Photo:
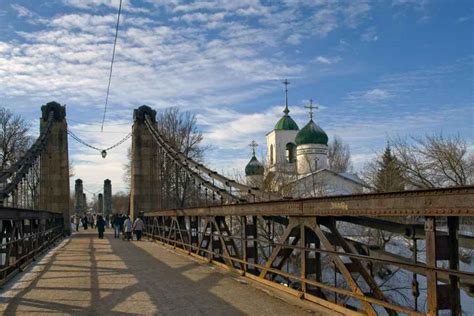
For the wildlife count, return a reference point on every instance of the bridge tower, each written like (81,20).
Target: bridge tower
(79,206)
(107,197)
(100,204)
(54,169)
(145,189)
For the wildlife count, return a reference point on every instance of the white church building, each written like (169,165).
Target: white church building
(300,157)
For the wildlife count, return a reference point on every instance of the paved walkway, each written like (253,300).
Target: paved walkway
(86,275)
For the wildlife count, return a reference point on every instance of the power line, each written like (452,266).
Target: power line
(111,65)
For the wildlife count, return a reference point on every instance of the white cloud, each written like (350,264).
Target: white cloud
(373,96)
(327,60)
(369,35)
(30,16)
(294,39)
(21,11)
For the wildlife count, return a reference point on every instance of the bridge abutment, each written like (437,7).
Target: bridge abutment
(145,190)
(54,169)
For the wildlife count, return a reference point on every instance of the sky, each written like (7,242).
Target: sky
(377,70)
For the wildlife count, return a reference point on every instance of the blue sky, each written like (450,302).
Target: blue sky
(377,69)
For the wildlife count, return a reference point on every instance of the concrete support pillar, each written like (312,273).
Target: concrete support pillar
(79,206)
(54,170)
(145,189)
(107,197)
(100,206)
(84,202)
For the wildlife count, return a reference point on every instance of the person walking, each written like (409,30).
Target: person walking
(122,220)
(127,228)
(100,224)
(77,221)
(84,222)
(138,227)
(117,225)
(91,220)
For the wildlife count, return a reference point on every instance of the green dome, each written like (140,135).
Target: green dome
(311,134)
(287,123)
(254,167)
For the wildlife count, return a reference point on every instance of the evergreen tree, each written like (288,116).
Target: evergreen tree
(389,175)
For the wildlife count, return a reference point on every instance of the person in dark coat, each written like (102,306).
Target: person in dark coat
(117,222)
(84,222)
(100,226)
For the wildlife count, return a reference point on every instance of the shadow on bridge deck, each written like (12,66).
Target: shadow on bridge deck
(114,277)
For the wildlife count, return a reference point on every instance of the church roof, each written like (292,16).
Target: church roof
(311,134)
(254,167)
(286,123)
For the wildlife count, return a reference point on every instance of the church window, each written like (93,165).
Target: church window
(290,152)
(271,154)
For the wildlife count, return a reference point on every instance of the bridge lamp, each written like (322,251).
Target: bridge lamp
(103,153)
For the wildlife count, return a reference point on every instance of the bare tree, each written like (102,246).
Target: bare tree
(435,161)
(14,141)
(127,170)
(339,156)
(120,201)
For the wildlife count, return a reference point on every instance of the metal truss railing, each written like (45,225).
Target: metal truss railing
(337,261)
(24,234)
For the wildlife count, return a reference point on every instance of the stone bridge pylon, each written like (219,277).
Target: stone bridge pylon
(54,168)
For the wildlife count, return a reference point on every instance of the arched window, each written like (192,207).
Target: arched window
(271,154)
(290,152)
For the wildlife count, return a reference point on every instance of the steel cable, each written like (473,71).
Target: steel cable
(79,140)
(111,66)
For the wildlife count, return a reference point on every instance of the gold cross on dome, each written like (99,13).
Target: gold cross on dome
(311,107)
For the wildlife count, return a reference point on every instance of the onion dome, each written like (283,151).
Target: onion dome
(287,123)
(311,134)
(254,167)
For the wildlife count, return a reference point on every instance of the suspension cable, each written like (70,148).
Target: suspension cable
(189,162)
(79,140)
(18,171)
(184,165)
(111,66)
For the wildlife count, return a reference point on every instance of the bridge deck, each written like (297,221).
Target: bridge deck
(111,276)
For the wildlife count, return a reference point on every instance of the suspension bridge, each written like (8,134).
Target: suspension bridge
(217,246)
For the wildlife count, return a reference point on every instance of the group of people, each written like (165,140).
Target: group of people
(123,224)
(88,220)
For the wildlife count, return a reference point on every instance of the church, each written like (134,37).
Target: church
(297,161)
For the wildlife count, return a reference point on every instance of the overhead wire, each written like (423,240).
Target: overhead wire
(111,66)
(79,140)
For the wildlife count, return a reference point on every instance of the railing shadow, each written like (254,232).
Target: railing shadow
(125,278)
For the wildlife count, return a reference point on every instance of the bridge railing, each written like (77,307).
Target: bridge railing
(23,235)
(374,253)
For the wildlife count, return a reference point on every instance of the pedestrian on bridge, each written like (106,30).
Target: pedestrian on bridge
(117,222)
(100,224)
(138,226)
(77,221)
(84,222)
(127,228)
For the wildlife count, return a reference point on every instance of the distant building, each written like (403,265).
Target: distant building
(298,160)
